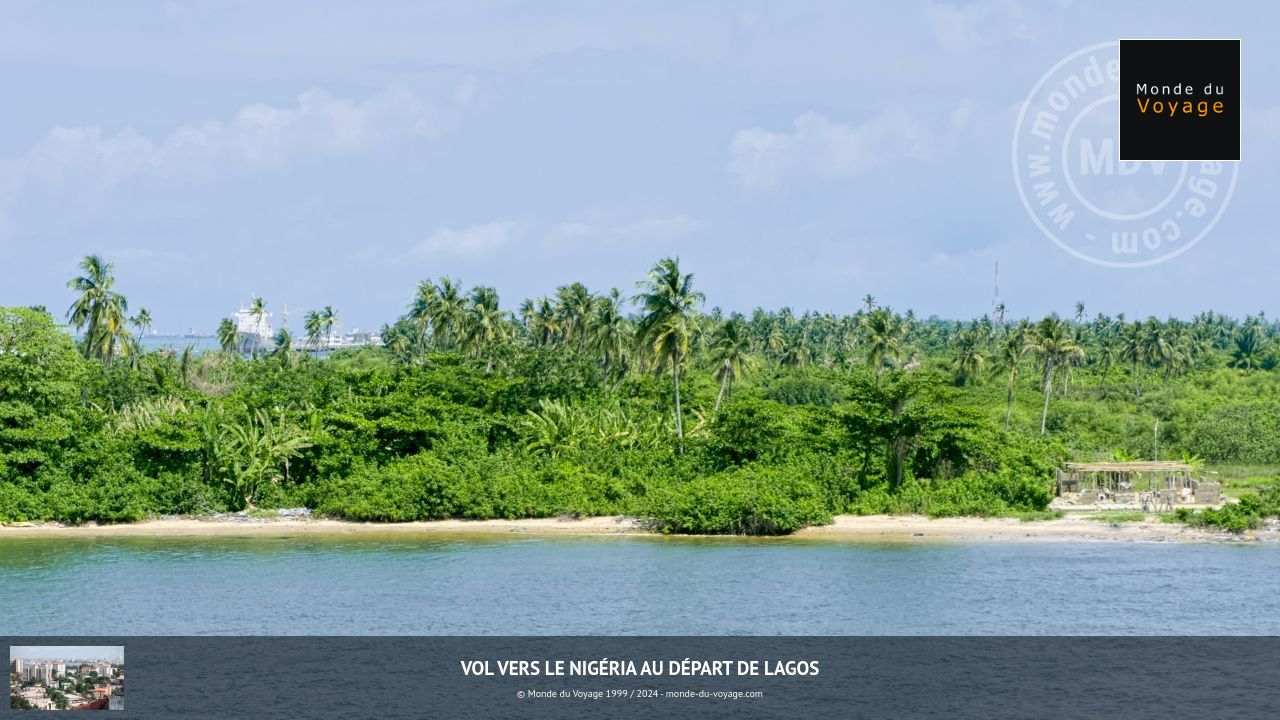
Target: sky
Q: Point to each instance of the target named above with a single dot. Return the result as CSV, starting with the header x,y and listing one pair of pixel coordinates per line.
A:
x,y
791,154
67,652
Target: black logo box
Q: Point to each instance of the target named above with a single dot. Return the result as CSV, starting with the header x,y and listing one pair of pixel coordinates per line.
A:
x,y
1186,67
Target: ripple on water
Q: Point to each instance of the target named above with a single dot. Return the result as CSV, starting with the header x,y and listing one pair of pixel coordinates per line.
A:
x,y
629,585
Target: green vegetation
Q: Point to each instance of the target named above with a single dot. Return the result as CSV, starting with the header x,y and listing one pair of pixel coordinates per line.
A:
x,y
1117,516
1248,514
589,403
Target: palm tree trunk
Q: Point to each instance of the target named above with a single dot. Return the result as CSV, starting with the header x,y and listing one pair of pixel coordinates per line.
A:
x,y
1048,390
1008,412
675,374
724,382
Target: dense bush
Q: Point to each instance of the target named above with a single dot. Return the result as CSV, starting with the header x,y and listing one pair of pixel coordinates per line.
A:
x,y
742,501
1248,514
978,494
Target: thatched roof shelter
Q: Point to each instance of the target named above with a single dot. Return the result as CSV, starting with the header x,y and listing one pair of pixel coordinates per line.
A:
x,y
1140,466
1124,476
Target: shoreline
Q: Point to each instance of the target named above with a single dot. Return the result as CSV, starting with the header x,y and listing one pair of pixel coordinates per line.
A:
x,y
850,528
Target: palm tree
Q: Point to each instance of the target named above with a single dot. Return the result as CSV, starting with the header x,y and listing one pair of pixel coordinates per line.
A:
x,y
883,333
541,322
100,311
730,353
283,350
1251,348
574,304
1134,349
185,363
313,325
142,321
1011,350
1108,350
422,309
484,324
228,336
1052,341
448,313
668,304
970,360
395,340
258,311
328,319
608,330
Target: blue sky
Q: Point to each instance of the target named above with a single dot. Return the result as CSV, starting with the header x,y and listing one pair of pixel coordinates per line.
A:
x,y
800,154
67,652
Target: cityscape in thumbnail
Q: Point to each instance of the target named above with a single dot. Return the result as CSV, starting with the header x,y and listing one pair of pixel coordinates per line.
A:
x,y
66,678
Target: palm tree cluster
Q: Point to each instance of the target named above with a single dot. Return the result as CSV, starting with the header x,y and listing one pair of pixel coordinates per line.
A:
x,y
664,329
442,316
319,325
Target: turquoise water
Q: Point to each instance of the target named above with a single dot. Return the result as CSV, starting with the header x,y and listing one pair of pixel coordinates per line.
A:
x,y
384,585
178,344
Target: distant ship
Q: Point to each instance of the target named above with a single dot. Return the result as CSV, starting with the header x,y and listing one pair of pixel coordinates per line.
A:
x,y
257,331
253,327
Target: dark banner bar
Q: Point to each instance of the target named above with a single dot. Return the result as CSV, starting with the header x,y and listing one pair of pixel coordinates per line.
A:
x,y
690,677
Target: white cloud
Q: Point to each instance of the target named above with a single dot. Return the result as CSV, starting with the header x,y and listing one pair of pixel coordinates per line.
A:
x,y
476,241
257,135
954,28
962,28
1264,121
817,147
647,229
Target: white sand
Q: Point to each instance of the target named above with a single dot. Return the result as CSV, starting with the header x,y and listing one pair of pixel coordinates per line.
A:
x,y
911,528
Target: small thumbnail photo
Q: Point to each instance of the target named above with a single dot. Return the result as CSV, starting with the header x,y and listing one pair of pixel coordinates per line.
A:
x,y
66,677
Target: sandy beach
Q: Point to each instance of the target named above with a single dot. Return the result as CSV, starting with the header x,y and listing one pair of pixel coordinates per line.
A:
x,y
872,528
